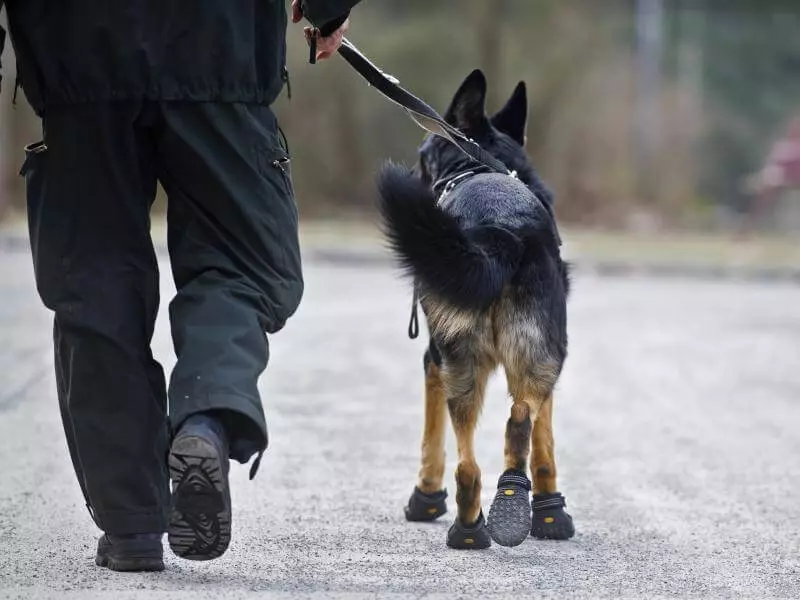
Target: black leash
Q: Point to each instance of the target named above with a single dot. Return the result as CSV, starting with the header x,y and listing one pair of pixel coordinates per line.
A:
x,y
425,116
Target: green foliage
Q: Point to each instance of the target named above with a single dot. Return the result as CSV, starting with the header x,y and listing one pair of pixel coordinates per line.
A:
x,y
730,81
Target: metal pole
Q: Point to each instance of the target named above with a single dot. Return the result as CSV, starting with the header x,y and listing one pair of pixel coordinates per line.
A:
x,y
649,35
690,57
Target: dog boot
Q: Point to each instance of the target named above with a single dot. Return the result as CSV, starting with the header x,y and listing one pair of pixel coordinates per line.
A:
x,y
426,507
550,520
510,513
474,537
130,553
200,519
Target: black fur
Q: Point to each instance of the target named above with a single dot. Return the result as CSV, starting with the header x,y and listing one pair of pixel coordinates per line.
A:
x,y
486,262
473,245
467,267
512,119
432,356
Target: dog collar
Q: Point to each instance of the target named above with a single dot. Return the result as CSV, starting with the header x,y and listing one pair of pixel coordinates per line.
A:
x,y
448,185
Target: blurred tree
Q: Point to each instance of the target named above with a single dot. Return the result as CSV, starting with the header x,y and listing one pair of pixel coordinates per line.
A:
x,y
487,19
729,80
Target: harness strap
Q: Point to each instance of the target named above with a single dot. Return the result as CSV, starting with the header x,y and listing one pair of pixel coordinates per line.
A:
x,y
448,185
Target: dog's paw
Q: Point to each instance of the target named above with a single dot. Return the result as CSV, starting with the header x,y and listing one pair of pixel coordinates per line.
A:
x,y
550,520
510,514
475,537
426,507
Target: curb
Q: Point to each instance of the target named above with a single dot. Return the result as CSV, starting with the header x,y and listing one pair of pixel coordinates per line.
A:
x,y
15,243
602,268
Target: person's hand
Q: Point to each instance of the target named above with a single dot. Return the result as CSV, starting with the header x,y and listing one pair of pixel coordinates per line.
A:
x,y
297,11
326,46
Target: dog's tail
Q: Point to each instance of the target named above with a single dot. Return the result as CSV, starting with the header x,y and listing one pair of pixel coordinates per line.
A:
x,y
466,267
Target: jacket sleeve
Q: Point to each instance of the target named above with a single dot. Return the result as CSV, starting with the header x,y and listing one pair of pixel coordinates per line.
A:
x,y
2,44
328,15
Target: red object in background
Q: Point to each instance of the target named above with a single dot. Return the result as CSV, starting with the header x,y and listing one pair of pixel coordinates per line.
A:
x,y
781,172
782,169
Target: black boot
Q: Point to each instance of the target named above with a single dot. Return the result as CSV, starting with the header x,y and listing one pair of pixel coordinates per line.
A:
x,y
140,552
200,520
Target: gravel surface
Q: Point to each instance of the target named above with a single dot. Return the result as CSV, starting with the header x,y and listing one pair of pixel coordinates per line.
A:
x,y
676,436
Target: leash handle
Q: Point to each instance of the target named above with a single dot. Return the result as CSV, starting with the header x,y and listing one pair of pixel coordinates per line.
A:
x,y
312,49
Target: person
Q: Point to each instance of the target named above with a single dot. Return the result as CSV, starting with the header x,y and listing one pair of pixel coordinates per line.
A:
x,y
131,94
780,172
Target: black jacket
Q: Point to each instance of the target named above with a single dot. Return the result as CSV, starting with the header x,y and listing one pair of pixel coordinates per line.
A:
x,y
75,51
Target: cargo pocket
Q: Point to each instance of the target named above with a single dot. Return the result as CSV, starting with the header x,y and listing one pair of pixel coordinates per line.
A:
x,y
280,276
283,162
42,225
32,167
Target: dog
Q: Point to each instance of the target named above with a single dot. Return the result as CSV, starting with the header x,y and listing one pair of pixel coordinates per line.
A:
x,y
483,252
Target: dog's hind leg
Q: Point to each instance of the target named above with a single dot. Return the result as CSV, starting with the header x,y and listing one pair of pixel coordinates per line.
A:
x,y
550,520
510,514
428,501
543,464
465,385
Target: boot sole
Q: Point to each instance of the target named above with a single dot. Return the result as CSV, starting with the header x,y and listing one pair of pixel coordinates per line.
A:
x,y
200,519
130,565
509,519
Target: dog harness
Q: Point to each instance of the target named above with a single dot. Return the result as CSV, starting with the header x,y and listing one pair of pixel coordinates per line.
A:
x,y
449,184
429,120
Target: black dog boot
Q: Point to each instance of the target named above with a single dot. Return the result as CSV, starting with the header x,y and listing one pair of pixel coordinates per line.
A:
x,y
130,553
475,537
426,507
510,514
200,520
550,520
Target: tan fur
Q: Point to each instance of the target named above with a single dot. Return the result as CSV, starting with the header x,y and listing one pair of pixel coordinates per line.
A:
x,y
431,472
465,397
543,464
451,322
503,335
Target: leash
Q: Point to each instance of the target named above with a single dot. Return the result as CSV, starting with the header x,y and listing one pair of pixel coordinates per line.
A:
x,y
425,116
428,119
422,114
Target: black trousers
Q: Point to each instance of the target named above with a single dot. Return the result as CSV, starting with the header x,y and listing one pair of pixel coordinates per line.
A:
x,y
235,258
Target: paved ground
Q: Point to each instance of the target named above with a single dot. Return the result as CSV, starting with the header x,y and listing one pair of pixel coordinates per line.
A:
x,y
676,430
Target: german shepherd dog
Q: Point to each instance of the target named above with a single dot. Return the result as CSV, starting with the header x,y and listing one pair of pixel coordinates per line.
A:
x,y
483,252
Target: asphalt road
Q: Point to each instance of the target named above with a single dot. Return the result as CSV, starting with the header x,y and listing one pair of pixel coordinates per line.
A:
x,y
676,426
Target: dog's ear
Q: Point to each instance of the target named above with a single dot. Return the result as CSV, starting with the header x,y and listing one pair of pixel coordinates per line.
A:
x,y
512,119
468,108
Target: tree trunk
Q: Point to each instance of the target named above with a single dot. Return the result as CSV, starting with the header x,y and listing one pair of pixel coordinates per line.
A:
x,y
487,17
